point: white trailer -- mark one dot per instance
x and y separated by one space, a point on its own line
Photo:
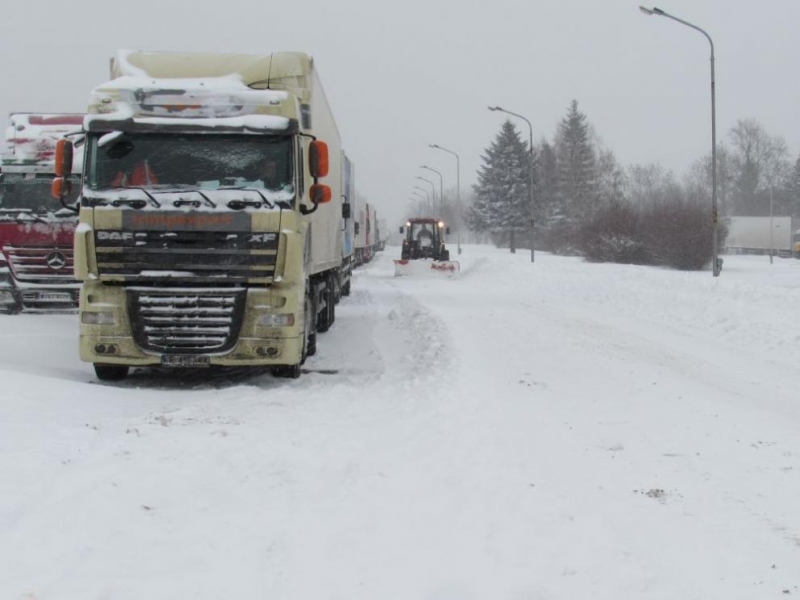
759 235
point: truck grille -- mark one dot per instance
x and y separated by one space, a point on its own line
41 265
186 322
195 255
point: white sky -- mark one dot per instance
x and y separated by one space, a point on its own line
402 75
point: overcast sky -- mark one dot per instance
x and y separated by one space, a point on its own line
401 75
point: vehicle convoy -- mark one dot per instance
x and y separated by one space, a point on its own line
424 248
211 213
761 235
364 233
35 238
348 227
383 235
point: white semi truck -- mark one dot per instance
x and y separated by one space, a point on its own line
211 214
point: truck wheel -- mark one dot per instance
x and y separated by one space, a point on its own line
311 345
310 332
110 372
346 288
287 371
328 315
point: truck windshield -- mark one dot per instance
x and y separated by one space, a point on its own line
199 161
31 193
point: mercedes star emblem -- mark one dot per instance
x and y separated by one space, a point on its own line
56 260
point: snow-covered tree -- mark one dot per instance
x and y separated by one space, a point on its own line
501 204
546 209
577 173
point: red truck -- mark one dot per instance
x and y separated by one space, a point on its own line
36 234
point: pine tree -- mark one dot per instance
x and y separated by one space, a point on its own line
546 183
577 177
501 203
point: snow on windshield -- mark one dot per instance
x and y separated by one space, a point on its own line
194 161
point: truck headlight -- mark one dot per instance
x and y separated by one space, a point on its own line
276 320
98 318
6 297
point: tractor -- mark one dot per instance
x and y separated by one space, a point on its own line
424 249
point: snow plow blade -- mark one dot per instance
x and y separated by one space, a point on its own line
438 268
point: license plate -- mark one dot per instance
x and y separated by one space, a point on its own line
185 360
54 297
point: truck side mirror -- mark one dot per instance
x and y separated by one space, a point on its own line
401 230
63 164
318 159
357 227
346 210
320 194
61 188
447 230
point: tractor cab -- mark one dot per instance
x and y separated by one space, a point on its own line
424 238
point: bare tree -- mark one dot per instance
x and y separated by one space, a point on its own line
759 161
649 185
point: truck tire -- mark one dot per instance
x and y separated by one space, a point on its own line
346 288
328 315
287 371
110 372
309 345
310 332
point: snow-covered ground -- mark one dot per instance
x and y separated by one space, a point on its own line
561 430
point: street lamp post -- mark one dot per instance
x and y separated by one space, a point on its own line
441 189
716 265
458 191
530 149
433 194
427 196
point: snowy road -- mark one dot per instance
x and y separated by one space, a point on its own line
551 431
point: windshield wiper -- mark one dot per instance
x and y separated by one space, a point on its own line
137 204
182 201
242 203
150 197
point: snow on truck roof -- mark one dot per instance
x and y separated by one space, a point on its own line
225 91
30 140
